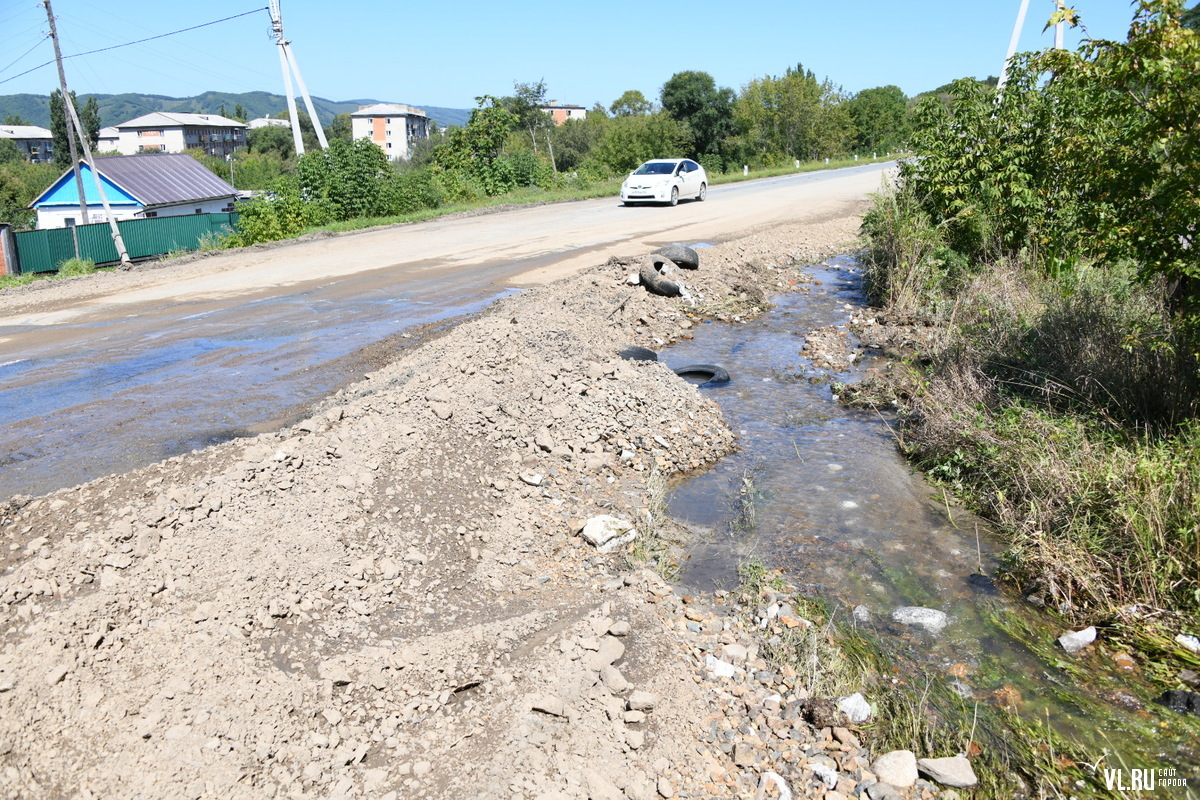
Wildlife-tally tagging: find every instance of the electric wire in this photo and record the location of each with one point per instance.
(27, 52)
(139, 41)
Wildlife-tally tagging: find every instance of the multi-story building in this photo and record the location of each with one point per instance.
(392, 126)
(561, 114)
(171, 132)
(34, 142)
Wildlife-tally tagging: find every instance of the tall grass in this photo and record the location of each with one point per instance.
(1066, 407)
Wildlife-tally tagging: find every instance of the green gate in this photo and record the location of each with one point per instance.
(44, 251)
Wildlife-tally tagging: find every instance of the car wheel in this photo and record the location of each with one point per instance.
(674, 195)
(703, 192)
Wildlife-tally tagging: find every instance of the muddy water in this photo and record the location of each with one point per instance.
(96, 397)
(821, 491)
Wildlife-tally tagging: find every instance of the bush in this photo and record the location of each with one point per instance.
(279, 213)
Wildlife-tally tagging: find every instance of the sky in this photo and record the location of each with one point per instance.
(446, 54)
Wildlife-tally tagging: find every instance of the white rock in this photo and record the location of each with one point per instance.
(608, 533)
(855, 707)
(955, 771)
(930, 619)
(719, 668)
(1074, 641)
(897, 768)
(642, 701)
(827, 775)
(1190, 642)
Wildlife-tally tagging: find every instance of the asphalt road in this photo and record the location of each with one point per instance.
(111, 372)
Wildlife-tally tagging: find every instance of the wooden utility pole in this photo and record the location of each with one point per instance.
(73, 122)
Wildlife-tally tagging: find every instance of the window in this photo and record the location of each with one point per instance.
(199, 211)
(151, 214)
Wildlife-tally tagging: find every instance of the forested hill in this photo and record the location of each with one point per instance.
(118, 108)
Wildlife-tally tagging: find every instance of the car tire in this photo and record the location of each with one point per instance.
(634, 352)
(652, 278)
(674, 196)
(714, 373)
(684, 257)
(703, 193)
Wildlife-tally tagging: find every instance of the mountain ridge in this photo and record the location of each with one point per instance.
(118, 108)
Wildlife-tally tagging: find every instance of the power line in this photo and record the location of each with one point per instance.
(127, 44)
(27, 52)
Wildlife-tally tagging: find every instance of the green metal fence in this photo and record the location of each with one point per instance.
(43, 251)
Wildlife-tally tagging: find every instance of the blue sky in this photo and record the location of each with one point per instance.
(445, 54)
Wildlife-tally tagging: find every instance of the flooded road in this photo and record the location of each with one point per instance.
(110, 372)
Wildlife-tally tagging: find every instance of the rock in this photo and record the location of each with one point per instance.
(599, 787)
(611, 649)
(930, 619)
(641, 700)
(549, 704)
(1074, 641)
(621, 628)
(955, 771)
(57, 674)
(897, 768)
(735, 653)
(611, 677)
(862, 614)
(334, 671)
(665, 789)
(826, 775)
(531, 478)
(719, 668)
(1180, 701)
(1189, 642)
(883, 791)
(743, 754)
(204, 611)
(855, 707)
(635, 739)
(608, 533)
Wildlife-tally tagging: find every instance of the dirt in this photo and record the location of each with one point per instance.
(391, 599)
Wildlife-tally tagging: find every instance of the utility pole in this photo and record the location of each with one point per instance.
(73, 121)
(288, 64)
(1012, 43)
(66, 98)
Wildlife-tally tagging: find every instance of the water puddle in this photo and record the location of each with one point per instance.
(821, 491)
(93, 398)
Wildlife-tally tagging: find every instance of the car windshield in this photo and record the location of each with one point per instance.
(656, 168)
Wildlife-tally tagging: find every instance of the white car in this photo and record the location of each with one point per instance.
(665, 180)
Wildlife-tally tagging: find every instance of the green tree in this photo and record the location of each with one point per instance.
(89, 118)
(793, 116)
(9, 152)
(15, 119)
(693, 99)
(880, 118)
(347, 176)
(626, 142)
(222, 111)
(473, 151)
(239, 112)
(1102, 159)
(526, 107)
(339, 128)
(271, 139)
(631, 104)
(1191, 18)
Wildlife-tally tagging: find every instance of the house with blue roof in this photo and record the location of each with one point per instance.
(137, 187)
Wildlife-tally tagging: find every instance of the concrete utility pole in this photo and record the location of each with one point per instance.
(73, 121)
(289, 65)
(1016, 35)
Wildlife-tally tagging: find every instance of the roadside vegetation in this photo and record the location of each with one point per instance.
(1050, 228)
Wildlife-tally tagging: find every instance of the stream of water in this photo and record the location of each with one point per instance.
(820, 491)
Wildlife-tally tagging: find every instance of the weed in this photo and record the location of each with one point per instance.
(743, 504)
(76, 266)
(653, 548)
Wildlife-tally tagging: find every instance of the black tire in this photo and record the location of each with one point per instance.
(715, 373)
(652, 277)
(635, 353)
(703, 193)
(674, 201)
(684, 257)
